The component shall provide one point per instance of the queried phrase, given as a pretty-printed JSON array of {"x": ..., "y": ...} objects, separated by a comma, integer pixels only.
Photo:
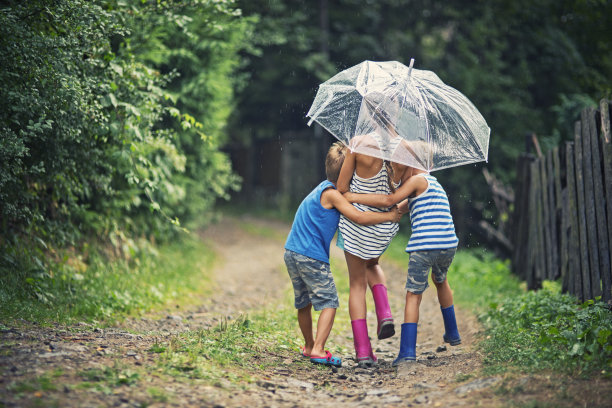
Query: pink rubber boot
[
  {"x": 363, "y": 348},
  {"x": 386, "y": 327}
]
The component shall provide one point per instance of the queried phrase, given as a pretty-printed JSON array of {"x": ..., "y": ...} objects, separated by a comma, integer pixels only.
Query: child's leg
[
  {"x": 358, "y": 285},
  {"x": 445, "y": 295},
  {"x": 304, "y": 316},
  {"x": 324, "y": 326},
  {"x": 376, "y": 281},
  {"x": 357, "y": 309},
  {"x": 411, "y": 310}
]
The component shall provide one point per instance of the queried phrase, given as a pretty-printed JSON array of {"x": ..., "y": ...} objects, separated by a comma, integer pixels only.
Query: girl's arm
[
  {"x": 346, "y": 173},
  {"x": 407, "y": 189},
  {"x": 360, "y": 217}
]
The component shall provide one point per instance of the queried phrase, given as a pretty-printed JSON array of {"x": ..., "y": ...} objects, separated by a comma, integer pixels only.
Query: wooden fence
[{"x": 562, "y": 219}]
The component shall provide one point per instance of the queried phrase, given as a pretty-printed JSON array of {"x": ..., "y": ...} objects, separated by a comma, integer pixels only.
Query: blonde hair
[{"x": 334, "y": 160}]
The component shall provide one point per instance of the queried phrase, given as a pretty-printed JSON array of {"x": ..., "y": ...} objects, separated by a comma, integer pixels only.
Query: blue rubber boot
[
  {"x": 407, "y": 344},
  {"x": 450, "y": 326}
]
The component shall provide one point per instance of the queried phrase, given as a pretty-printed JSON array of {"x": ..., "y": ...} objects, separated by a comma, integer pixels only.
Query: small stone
[
  {"x": 334, "y": 369},
  {"x": 174, "y": 317},
  {"x": 441, "y": 349},
  {"x": 431, "y": 356},
  {"x": 377, "y": 392}
]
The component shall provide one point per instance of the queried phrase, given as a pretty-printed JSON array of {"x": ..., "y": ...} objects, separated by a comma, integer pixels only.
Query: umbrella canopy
[{"x": 401, "y": 114}]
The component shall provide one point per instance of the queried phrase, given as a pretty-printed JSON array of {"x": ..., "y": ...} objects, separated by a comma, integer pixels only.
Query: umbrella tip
[{"x": 410, "y": 66}]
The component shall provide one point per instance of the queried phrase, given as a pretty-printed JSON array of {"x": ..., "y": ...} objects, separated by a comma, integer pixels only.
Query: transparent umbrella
[{"x": 401, "y": 114}]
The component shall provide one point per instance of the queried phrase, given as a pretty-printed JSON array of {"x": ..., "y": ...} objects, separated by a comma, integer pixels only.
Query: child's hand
[
  {"x": 402, "y": 207},
  {"x": 398, "y": 214}
]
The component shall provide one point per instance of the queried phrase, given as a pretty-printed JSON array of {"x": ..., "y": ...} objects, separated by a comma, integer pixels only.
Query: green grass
[
  {"x": 107, "y": 288},
  {"x": 477, "y": 278},
  {"x": 547, "y": 330},
  {"x": 526, "y": 331}
]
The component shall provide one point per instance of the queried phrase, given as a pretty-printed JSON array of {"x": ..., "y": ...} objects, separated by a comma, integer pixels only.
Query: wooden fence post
[
  {"x": 589, "y": 202},
  {"x": 572, "y": 216},
  {"x": 582, "y": 230},
  {"x": 520, "y": 217},
  {"x": 606, "y": 150},
  {"x": 602, "y": 277}
]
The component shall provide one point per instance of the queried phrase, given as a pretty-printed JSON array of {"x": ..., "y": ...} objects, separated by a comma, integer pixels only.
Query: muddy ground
[{"x": 443, "y": 376}]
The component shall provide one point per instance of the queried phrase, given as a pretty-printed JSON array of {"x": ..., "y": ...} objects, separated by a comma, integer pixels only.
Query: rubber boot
[
  {"x": 407, "y": 350},
  {"x": 386, "y": 327},
  {"x": 363, "y": 348},
  {"x": 451, "y": 334}
]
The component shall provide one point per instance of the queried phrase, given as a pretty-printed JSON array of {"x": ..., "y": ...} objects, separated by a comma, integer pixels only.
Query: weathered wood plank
[
  {"x": 600, "y": 211},
  {"x": 567, "y": 284},
  {"x": 545, "y": 219},
  {"x": 520, "y": 217},
  {"x": 540, "y": 254},
  {"x": 551, "y": 211},
  {"x": 572, "y": 219},
  {"x": 582, "y": 231},
  {"x": 556, "y": 164},
  {"x": 589, "y": 201},
  {"x": 532, "y": 239},
  {"x": 606, "y": 150}
]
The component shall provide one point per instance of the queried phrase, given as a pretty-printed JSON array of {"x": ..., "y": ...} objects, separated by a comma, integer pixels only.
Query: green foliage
[
  {"x": 91, "y": 286},
  {"x": 112, "y": 118},
  {"x": 548, "y": 330}
]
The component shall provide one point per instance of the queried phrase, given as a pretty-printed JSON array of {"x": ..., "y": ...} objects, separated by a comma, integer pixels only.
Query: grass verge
[
  {"x": 527, "y": 331},
  {"x": 106, "y": 288}
]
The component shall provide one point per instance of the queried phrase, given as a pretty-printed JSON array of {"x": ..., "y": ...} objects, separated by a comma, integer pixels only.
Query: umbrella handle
[{"x": 410, "y": 66}]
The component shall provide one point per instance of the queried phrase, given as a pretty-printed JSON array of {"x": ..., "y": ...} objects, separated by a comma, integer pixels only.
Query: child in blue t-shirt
[
  {"x": 432, "y": 245},
  {"x": 307, "y": 255}
]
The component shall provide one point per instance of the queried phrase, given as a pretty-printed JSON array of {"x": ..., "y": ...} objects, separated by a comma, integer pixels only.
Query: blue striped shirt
[{"x": 431, "y": 220}]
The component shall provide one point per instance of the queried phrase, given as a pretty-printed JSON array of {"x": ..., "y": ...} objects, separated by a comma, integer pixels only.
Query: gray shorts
[
  {"x": 420, "y": 262},
  {"x": 312, "y": 282}
]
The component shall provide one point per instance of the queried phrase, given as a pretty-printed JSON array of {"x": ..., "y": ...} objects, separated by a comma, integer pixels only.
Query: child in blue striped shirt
[{"x": 432, "y": 245}]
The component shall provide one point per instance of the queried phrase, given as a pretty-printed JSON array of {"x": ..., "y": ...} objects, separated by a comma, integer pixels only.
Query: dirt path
[{"x": 442, "y": 377}]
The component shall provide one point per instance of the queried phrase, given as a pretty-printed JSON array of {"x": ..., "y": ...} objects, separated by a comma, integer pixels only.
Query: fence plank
[
  {"x": 572, "y": 216},
  {"x": 560, "y": 231},
  {"x": 545, "y": 208},
  {"x": 582, "y": 231},
  {"x": 552, "y": 217},
  {"x": 540, "y": 254},
  {"x": 589, "y": 201},
  {"x": 602, "y": 245},
  {"x": 520, "y": 217},
  {"x": 606, "y": 148}
]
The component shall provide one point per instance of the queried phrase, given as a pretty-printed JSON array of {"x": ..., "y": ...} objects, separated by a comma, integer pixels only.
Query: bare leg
[
  {"x": 324, "y": 326},
  {"x": 411, "y": 311},
  {"x": 445, "y": 294},
  {"x": 374, "y": 273},
  {"x": 305, "y": 321},
  {"x": 358, "y": 285}
]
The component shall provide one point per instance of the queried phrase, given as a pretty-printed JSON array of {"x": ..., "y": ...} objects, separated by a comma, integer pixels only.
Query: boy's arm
[
  {"x": 360, "y": 217},
  {"x": 346, "y": 172},
  {"x": 387, "y": 200}
]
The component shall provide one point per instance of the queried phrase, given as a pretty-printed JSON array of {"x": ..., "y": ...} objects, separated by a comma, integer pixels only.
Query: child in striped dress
[
  {"x": 363, "y": 246},
  {"x": 432, "y": 244}
]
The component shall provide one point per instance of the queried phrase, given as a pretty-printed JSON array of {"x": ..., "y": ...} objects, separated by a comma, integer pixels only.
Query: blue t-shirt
[{"x": 314, "y": 226}]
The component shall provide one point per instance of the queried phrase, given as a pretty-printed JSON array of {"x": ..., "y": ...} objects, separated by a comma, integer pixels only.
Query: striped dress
[
  {"x": 431, "y": 220},
  {"x": 368, "y": 241}
]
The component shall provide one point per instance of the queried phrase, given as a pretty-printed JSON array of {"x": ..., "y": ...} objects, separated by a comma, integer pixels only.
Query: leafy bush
[{"x": 548, "y": 330}]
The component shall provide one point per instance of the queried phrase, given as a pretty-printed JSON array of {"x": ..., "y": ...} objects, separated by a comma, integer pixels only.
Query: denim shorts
[
  {"x": 312, "y": 282},
  {"x": 420, "y": 262}
]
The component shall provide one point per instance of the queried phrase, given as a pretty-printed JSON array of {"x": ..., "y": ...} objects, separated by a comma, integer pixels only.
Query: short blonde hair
[{"x": 334, "y": 160}]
